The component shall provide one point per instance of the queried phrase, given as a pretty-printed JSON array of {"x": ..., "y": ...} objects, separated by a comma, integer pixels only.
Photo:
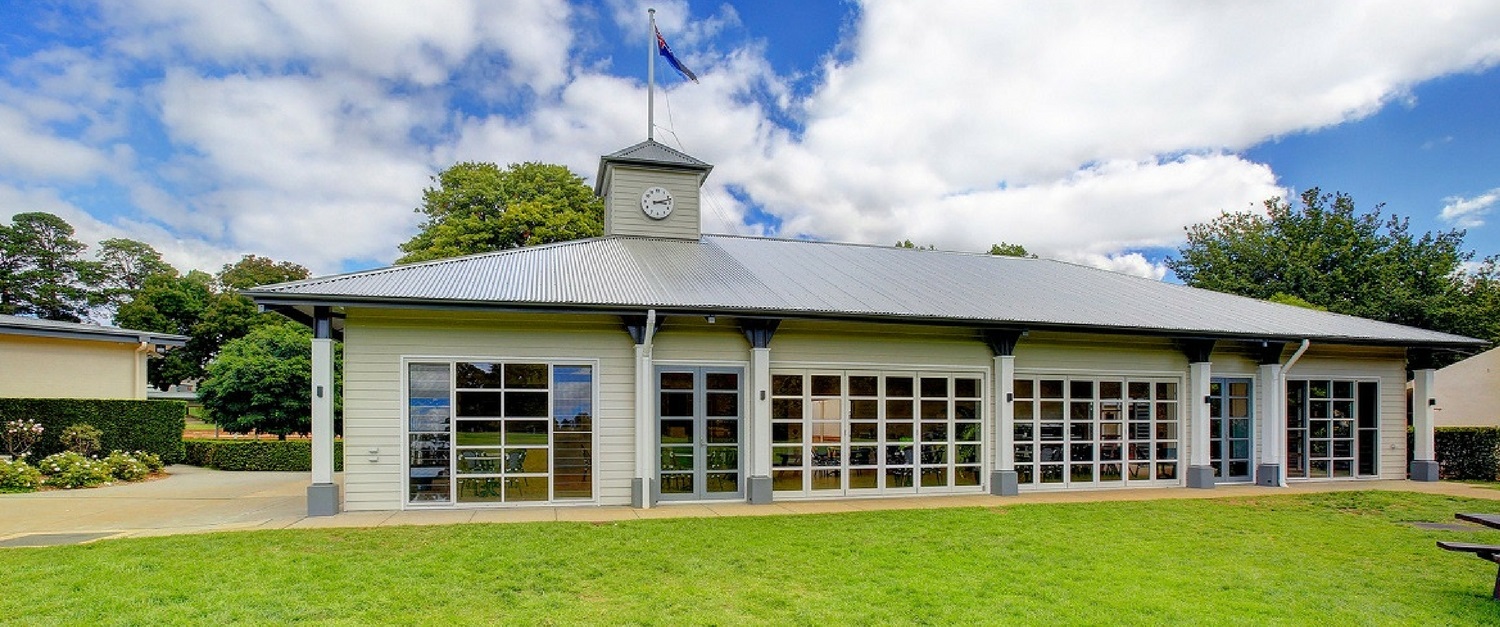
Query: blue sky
[{"x": 306, "y": 130}]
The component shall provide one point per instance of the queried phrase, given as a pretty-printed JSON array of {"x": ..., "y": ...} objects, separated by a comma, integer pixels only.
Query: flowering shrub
[
  {"x": 18, "y": 476},
  {"x": 82, "y": 439},
  {"x": 126, "y": 467},
  {"x": 20, "y": 436},
  {"x": 71, "y": 470},
  {"x": 151, "y": 460}
]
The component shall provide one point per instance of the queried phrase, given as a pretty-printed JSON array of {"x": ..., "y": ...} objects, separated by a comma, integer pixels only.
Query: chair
[{"x": 515, "y": 463}]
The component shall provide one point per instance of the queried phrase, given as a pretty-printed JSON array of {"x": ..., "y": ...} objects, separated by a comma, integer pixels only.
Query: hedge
[
  {"x": 273, "y": 455},
  {"x": 1468, "y": 452},
  {"x": 127, "y": 425}
]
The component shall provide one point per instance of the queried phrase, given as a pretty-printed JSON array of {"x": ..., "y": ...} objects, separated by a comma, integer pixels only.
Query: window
[
  {"x": 1090, "y": 431},
  {"x": 499, "y": 432},
  {"x": 857, "y": 432},
  {"x": 1333, "y": 428}
]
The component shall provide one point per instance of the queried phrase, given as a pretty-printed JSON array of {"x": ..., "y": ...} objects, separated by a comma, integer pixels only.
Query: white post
[
  {"x": 759, "y": 485},
  {"x": 1003, "y": 480},
  {"x": 322, "y": 495},
  {"x": 641, "y": 490},
  {"x": 1200, "y": 470},
  {"x": 1270, "y": 411},
  {"x": 651, "y": 76},
  {"x": 1424, "y": 466}
]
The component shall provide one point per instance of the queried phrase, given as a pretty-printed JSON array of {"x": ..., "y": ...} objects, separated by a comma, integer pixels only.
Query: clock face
[{"x": 657, "y": 203}]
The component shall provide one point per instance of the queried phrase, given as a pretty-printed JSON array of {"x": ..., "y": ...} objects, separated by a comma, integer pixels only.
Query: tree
[
  {"x": 906, "y": 243},
  {"x": 252, "y": 271},
  {"x": 1330, "y": 255},
  {"x": 209, "y": 310},
  {"x": 478, "y": 207},
  {"x": 122, "y": 268},
  {"x": 1005, "y": 249},
  {"x": 262, "y": 382},
  {"x": 41, "y": 273}
]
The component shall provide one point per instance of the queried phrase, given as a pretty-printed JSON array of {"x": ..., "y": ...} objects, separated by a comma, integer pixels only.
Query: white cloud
[
  {"x": 1469, "y": 213},
  {"x": 305, "y": 129}
]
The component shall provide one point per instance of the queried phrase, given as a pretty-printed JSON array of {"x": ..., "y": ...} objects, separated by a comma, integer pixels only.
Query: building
[
  {"x": 51, "y": 359},
  {"x": 1467, "y": 393},
  {"x": 660, "y": 364}
]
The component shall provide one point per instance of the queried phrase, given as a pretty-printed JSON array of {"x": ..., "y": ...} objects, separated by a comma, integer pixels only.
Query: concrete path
[{"x": 196, "y": 500}]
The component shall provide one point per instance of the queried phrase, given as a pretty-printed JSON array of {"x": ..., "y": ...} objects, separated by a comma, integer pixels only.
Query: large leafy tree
[
  {"x": 253, "y": 271},
  {"x": 41, "y": 273},
  {"x": 479, "y": 207},
  {"x": 1326, "y": 253},
  {"x": 122, "y": 268},
  {"x": 208, "y": 309},
  {"x": 1006, "y": 249},
  {"x": 262, "y": 382}
]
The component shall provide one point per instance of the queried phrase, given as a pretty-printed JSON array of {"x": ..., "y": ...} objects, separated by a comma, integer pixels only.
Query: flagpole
[{"x": 651, "y": 77}]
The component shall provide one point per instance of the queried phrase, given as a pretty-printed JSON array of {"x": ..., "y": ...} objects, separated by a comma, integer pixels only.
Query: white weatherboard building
[{"x": 658, "y": 364}]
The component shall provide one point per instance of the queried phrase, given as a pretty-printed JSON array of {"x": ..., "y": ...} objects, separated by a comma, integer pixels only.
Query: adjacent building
[
  {"x": 659, "y": 364},
  {"x": 51, "y": 359}
]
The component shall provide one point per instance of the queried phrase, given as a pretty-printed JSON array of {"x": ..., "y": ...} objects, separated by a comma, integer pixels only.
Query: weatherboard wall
[
  {"x": 377, "y": 342},
  {"x": 623, "y": 215}
]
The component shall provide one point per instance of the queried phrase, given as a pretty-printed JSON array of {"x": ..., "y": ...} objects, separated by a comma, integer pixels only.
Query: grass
[{"x": 1337, "y": 558}]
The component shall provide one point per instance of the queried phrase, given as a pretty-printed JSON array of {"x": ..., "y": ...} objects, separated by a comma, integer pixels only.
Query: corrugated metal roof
[
  {"x": 771, "y": 277},
  {"x": 650, "y": 151},
  {"x": 19, "y": 325}
]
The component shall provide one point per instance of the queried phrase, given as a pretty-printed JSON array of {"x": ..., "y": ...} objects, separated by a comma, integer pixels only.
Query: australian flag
[{"x": 666, "y": 51}]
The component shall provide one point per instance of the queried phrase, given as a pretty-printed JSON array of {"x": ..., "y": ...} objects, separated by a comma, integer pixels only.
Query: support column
[
  {"x": 642, "y": 487},
  {"x": 1270, "y": 410},
  {"x": 759, "y": 333},
  {"x": 1424, "y": 466},
  {"x": 323, "y": 494},
  {"x": 1002, "y": 343},
  {"x": 1200, "y": 472}
]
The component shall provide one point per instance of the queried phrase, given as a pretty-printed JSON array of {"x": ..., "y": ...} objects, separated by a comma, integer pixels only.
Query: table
[{"x": 1486, "y": 552}]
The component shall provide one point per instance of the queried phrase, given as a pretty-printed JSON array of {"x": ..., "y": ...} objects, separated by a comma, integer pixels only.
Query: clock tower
[{"x": 651, "y": 190}]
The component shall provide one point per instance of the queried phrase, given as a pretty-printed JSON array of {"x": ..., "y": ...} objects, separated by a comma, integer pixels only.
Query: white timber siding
[
  {"x": 375, "y": 341},
  {"x": 622, "y": 211}
]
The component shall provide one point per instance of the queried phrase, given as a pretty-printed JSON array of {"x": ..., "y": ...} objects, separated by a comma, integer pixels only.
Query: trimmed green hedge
[
  {"x": 273, "y": 455},
  {"x": 1468, "y": 452},
  {"x": 127, "y": 425}
]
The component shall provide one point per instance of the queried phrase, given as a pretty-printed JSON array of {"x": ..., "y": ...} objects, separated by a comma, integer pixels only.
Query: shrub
[
  {"x": 71, "y": 470},
  {"x": 20, "y": 436},
  {"x": 18, "y": 476},
  {"x": 126, "y": 467},
  {"x": 82, "y": 439},
  {"x": 265, "y": 455},
  {"x": 126, "y": 425},
  {"x": 1468, "y": 452},
  {"x": 151, "y": 460}
]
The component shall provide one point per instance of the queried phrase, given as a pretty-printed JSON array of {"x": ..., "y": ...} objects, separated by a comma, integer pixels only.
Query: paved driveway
[{"x": 189, "y": 499}]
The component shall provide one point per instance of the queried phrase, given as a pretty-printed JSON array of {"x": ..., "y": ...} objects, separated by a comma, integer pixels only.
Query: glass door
[
  {"x": 1229, "y": 429},
  {"x": 699, "y": 412}
]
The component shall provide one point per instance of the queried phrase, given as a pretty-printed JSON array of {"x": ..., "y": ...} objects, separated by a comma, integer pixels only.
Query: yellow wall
[
  {"x": 43, "y": 367},
  {"x": 1468, "y": 392}
]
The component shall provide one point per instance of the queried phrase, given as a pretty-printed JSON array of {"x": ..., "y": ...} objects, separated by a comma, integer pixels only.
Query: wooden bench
[{"x": 1486, "y": 552}]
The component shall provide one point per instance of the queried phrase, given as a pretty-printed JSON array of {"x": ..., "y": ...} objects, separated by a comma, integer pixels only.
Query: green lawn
[{"x": 1327, "y": 559}]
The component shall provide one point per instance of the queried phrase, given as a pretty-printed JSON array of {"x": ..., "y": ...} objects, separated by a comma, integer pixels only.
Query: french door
[
  {"x": 699, "y": 430},
  {"x": 1333, "y": 429},
  {"x": 851, "y": 433},
  {"x": 1230, "y": 429}
]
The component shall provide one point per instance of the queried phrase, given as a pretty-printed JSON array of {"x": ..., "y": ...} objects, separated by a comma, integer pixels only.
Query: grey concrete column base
[
  {"x": 1424, "y": 470},
  {"x": 1201, "y": 477},
  {"x": 322, "y": 499},
  {"x": 638, "y": 493},
  {"x": 1004, "y": 483},
  {"x": 759, "y": 490},
  {"x": 1268, "y": 475}
]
